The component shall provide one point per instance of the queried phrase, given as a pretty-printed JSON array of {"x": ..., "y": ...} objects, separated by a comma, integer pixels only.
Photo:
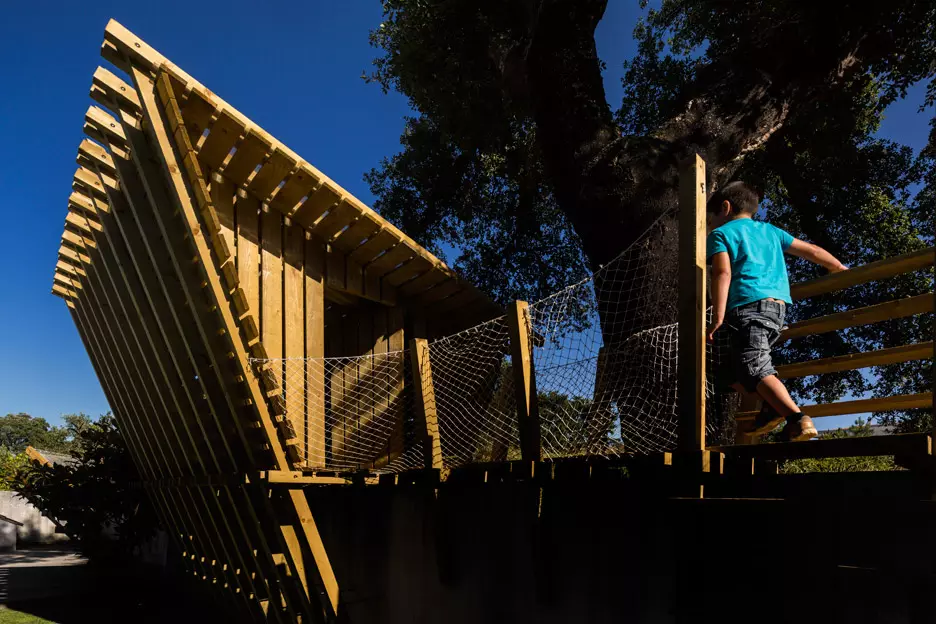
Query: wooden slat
[
  {"x": 250, "y": 153},
  {"x": 116, "y": 89},
  {"x": 337, "y": 218},
  {"x": 197, "y": 281},
  {"x": 396, "y": 342},
  {"x": 860, "y": 406},
  {"x": 314, "y": 351},
  {"x": 852, "y": 361},
  {"x": 271, "y": 288},
  {"x": 224, "y": 134},
  {"x": 323, "y": 198},
  {"x": 389, "y": 261},
  {"x": 881, "y": 269},
  {"x": 357, "y": 232},
  {"x": 294, "y": 332},
  {"x": 271, "y": 174},
  {"x": 425, "y": 403},
  {"x": 519, "y": 325},
  {"x": 247, "y": 208},
  {"x": 299, "y": 184},
  {"x": 692, "y": 347},
  {"x": 913, "y": 444},
  {"x": 899, "y": 308},
  {"x": 120, "y": 40}
]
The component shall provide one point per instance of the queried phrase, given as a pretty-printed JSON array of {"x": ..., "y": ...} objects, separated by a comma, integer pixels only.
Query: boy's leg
[
  {"x": 799, "y": 426},
  {"x": 774, "y": 392},
  {"x": 767, "y": 419}
]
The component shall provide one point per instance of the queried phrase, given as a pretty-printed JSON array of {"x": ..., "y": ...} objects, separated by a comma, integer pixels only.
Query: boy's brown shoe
[
  {"x": 798, "y": 429},
  {"x": 766, "y": 420}
]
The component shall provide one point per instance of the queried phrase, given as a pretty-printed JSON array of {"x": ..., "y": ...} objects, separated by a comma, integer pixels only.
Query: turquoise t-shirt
[{"x": 755, "y": 251}]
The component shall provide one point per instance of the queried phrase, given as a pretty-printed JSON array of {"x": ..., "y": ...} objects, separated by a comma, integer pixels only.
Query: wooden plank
[
  {"x": 852, "y": 361},
  {"x": 271, "y": 175},
  {"x": 271, "y": 288},
  {"x": 118, "y": 38},
  {"x": 882, "y": 269},
  {"x": 389, "y": 261},
  {"x": 224, "y": 134},
  {"x": 898, "y": 308},
  {"x": 379, "y": 398},
  {"x": 294, "y": 332},
  {"x": 248, "y": 249},
  {"x": 692, "y": 348},
  {"x": 357, "y": 232},
  {"x": 314, "y": 352},
  {"x": 376, "y": 244},
  {"x": 396, "y": 342},
  {"x": 912, "y": 444},
  {"x": 417, "y": 266},
  {"x": 519, "y": 327},
  {"x": 116, "y": 89},
  {"x": 298, "y": 186},
  {"x": 222, "y": 198},
  {"x": 249, "y": 155},
  {"x": 194, "y": 282},
  {"x": 337, "y": 218},
  {"x": 197, "y": 112},
  {"x": 323, "y": 198},
  {"x": 859, "y": 406},
  {"x": 424, "y": 393}
]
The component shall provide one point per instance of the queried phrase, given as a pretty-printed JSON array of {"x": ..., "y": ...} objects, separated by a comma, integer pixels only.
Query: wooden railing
[{"x": 692, "y": 345}]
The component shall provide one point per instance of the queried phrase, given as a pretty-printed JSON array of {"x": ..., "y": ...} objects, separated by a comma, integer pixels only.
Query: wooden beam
[
  {"x": 425, "y": 402},
  {"x": 879, "y": 270},
  {"x": 898, "y": 308},
  {"x": 905, "y": 444},
  {"x": 519, "y": 327},
  {"x": 860, "y": 406},
  {"x": 852, "y": 361},
  {"x": 692, "y": 347}
]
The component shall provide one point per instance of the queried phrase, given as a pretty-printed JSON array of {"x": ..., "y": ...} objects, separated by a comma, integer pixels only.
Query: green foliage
[
  {"x": 17, "y": 431},
  {"x": 96, "y": 497},
  {"x": 471, "y": 175},
  {"x": 10, "y": 464},
  {"x": 841, "y": 464}
]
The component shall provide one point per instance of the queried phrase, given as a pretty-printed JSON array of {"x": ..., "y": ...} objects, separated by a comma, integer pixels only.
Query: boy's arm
[
  {"x": 816, "y": 254},
  {"x": 721, "y": 280}
]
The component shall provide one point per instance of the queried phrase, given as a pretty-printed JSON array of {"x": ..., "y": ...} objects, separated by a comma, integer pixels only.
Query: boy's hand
[{"x": 712, "y": 329}]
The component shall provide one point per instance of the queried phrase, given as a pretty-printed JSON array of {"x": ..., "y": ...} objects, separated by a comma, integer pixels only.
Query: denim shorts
[{"x": 753, "y": 329}]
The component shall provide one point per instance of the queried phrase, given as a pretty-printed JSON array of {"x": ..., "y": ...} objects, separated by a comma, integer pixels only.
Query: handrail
[
  {"x": 882, "y": 269},
  {"x": 860, "y": 406},
  {"x": 852, "y": 361},
  {"x": 897, "y": 308}
]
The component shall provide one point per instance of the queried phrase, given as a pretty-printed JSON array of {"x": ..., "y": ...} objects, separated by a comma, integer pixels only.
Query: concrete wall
[{"x": 36, "y": 529}]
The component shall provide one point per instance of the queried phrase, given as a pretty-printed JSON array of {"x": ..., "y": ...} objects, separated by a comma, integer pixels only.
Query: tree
[
  {"x": 516, "y": 159},
  {"x": 95, "y": 498},
  {"x": 17, "y": 431}
]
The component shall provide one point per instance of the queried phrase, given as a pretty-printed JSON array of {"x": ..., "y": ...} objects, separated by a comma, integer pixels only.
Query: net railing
[{"x": 605, "y": 356}]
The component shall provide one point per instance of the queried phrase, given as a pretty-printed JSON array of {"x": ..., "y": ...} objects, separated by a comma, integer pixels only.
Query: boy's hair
[{"x": 743, "y": 198}]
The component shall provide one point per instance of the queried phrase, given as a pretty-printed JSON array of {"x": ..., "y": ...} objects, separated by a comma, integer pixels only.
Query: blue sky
[{"x": 293, "y": 68}]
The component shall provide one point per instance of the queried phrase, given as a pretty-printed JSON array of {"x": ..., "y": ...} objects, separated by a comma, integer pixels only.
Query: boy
[{"x": 750, "y": 283}]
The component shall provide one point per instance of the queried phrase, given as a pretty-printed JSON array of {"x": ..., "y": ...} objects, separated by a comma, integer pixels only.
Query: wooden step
[
  {"x": 859, "y": 406},
  {"x": 902, "y": 444}
]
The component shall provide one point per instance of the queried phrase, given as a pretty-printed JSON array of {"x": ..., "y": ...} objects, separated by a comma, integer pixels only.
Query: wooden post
[
  {"x": 425, "y": 401},
  {"x": 519, "y": 325},
  {"x": 692, "y": 346}
]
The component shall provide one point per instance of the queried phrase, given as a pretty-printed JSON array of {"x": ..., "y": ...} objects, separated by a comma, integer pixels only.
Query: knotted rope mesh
[{"x": 605, "y": 355}]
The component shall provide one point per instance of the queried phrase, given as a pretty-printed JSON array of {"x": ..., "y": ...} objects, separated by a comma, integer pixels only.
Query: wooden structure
[
  {"x": 692, "y": 346},
  {"x": 198, "y": 251}
]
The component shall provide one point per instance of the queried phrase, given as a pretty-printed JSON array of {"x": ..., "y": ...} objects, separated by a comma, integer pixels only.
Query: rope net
[{"x": 605, "y": 361}]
